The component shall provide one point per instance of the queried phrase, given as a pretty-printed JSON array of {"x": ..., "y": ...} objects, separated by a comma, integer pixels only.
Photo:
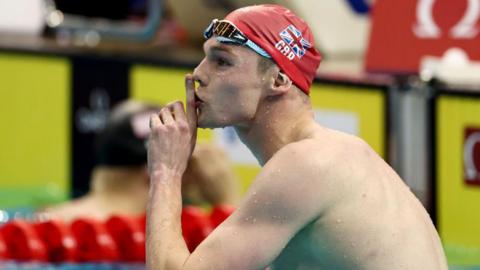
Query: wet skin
[{"x": 323, "y": 200}]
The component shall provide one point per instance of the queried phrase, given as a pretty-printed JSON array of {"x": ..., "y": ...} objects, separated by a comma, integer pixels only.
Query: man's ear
[{"x": 281, "y": 84}]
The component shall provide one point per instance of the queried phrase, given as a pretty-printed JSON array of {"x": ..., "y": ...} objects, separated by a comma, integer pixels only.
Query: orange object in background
[
  {"x": 58, "y": 239},
  {"x": 195, "y": 226},
  {"x": 22, "y": 242},
  {"x": 220, "y": 213},
  {"x": 129, "y": 235},
  {"x": 94, "y": 244}
]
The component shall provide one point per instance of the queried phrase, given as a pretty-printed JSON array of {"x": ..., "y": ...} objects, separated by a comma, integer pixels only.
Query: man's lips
[{"x": 198, "y": 101}]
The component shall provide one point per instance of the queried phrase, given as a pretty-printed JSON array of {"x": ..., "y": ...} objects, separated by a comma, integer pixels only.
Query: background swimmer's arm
[
  {"x": 283, "y": 199},
  {"x": 210, "y": 177}
]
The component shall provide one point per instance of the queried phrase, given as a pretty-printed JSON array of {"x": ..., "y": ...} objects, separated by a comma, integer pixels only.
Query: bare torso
[
  {"x": 372, "y": 220},
  {"x": 325, "y": 200}
]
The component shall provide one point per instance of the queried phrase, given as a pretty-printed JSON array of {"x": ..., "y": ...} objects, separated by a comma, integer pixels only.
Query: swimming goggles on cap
[{"x": 227, "y": 32}]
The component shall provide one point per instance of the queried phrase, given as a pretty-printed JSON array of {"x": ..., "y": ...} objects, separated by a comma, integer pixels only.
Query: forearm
[{"x": 166, "y": 248}]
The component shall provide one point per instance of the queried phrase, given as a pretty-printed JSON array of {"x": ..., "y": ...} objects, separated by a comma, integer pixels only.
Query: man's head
[
  {"x": 122, "y": 143},
  {"x": 255, "y": 52}
]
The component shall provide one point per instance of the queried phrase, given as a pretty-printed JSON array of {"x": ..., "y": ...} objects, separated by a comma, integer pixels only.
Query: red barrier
[
  {"x": 195, "y": 226},
  {"x": 220, "y": 213},
  {"x": 22, "y": 241},
  {"x": 129, "y": 235},
  {"x": 94, "y": 244},
  {"x": 58, "y": 239}
]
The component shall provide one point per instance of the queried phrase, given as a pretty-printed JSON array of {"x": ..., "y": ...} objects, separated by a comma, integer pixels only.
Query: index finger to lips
[{"x": 191, "y": 111}]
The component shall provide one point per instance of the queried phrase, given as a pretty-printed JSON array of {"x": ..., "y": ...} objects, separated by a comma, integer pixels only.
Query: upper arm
[{"x": 281, "y": 201}]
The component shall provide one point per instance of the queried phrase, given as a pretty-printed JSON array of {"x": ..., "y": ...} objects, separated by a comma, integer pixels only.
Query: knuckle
[
  {"x": 164, "y": 110},
  {"x": 172, "y": 104},
  {"x": 156, "y": 130},
  {"x": 170, "y": 126},
  {"x": 179, "y": 103},
  {"x": 183, "y": 126}
]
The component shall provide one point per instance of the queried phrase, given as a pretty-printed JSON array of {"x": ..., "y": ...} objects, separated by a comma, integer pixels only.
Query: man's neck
[
  {"x": 128, "y": 182},
  {"x": 277, "y": 124}
]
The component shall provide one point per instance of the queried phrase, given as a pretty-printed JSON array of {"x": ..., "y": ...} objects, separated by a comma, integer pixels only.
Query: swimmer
[
  {"x": 323, "y": 200},
  {"x": 120, "y": 180}
]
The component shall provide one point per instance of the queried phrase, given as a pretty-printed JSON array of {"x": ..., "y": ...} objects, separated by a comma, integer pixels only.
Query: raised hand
[{"x": 173, "y": 135}]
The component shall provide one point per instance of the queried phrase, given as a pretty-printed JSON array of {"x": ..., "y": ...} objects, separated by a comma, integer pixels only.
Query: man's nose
[{"x": 199, "y": 75}]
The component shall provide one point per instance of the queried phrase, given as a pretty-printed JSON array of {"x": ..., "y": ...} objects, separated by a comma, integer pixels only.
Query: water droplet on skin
[
  {"x": 254, "y": 193},
  {"x": 339, "y": 221},
  {"x": 344, "y": 256},
  {"x": 255, "y": 201},
  {"x": 254, "y": 220}
]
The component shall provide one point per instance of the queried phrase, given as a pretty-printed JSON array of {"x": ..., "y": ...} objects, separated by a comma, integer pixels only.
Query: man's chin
[{"x": 208, "y": 124}]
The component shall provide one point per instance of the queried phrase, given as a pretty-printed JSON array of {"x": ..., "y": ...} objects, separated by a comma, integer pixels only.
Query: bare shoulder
[
  {"x": 305, "y": 172},
  {"x": 318, "y": 154},
  {"x": 71, "y": 210}
]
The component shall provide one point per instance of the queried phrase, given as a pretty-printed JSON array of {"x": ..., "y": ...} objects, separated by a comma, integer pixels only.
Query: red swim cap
[{"x": 284, "y": 36}]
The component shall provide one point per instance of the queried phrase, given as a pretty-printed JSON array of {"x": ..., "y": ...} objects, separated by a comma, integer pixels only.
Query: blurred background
[{"x": 404, "y": 75}]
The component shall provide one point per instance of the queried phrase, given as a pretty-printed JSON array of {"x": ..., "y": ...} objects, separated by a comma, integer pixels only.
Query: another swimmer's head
[
  {"x": 275, "y": 33},
  {"x": 122, "y": 144}
]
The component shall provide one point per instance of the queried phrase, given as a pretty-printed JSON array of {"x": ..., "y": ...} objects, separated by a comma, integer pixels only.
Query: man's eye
[{"x": 222, "y": 62}]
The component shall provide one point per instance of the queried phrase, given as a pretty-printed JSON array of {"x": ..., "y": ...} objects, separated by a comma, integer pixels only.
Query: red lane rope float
[
  {"x": 94, "y": 243},
  {"x": 220, "y": 213},
  {"x": 129, "y": 234},
  {"x": 195, "y": 226},
  {"x": 3, "y": 249},
  {"x": 22, "y": 241},
  {"x": 57, "y": 237}
]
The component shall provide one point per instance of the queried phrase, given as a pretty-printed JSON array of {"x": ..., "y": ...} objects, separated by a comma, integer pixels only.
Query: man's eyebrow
[{"x": 220, "y": 48}]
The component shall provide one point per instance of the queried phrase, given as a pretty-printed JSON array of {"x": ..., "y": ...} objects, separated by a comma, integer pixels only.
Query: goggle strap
[{"x": 235, "y": 36}]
